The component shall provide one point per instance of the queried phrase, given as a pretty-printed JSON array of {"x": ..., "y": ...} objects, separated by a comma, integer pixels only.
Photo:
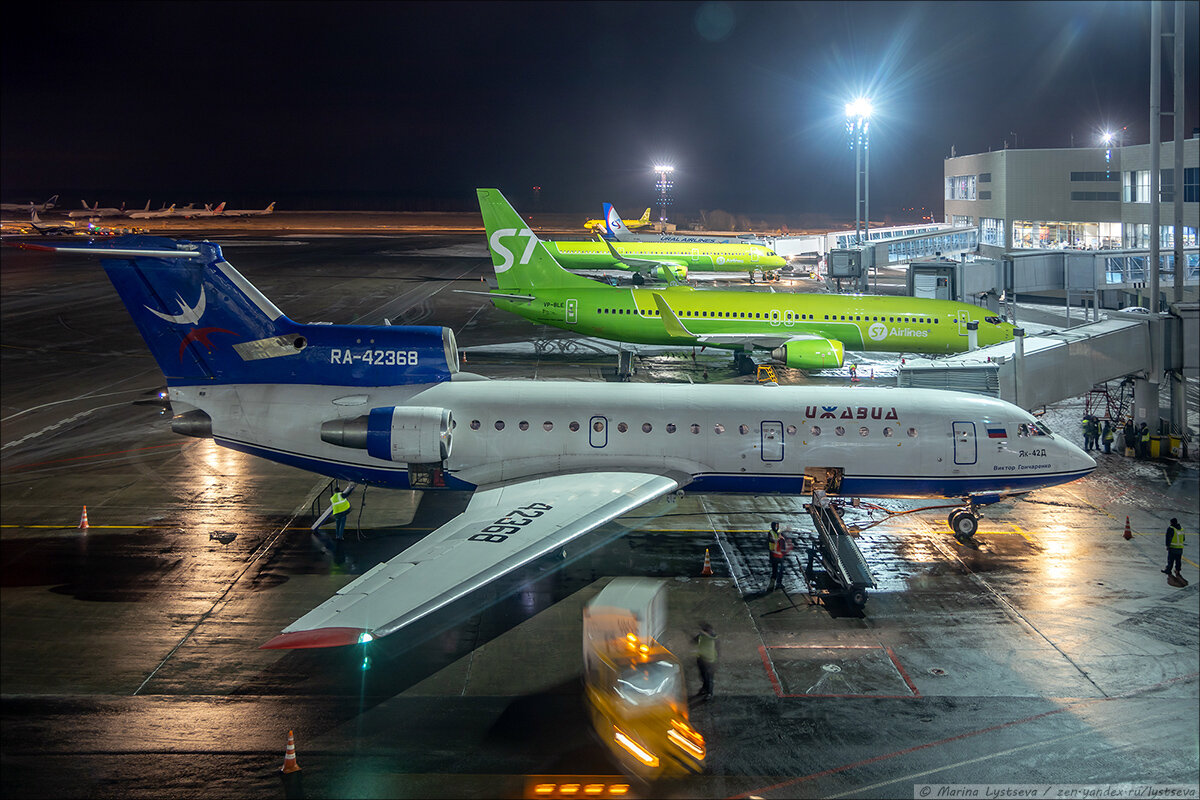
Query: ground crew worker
[
  {"x": 779, "y": 544},
  {"x": 1087, "y": 433},
  {"x": 1109, "y": 435},
  {"x": 1144, "y": 441},
  {"x": 1175, "y": 539},
  {"x": 341, "y": 509},
  {"x": 706, "y": 659}
]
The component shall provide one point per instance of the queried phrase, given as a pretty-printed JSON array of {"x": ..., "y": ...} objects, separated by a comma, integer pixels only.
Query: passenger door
[
  {"x": 772, "y": 441},
  {"x": 965, "y": 448}
]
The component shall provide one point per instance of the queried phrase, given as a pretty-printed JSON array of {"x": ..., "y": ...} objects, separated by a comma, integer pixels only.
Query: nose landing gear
[{"x": 964, "y": 522}]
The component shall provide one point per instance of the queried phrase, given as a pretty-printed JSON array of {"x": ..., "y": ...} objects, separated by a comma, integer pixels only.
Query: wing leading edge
[{"x": 502, "y": 528}]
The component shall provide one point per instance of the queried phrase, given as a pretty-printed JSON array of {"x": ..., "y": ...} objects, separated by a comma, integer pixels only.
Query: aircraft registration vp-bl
[
  {"x": 805, "y": 330},
  {"x": 547, "y": 461}
]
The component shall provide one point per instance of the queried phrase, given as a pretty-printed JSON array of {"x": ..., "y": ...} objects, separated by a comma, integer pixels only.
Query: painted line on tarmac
[
  {"x": 916, "y": 748},
  {"x": 95, "y": 455}
]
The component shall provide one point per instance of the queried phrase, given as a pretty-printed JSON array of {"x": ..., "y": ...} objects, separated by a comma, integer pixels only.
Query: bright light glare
[
  {"x": 639, "y": 752},
  {"x": 1107, "y": 137},
  {"x": 859, "y": 108},
  {"x": 663, "y": 168},
  {"x": 365, "y": 637}
]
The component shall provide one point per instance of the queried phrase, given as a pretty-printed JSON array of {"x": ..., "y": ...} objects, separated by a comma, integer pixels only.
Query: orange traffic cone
[
  {"x": 83, "y": 520},
  {"x": 1128, "y": 533},
  {"x": 289, "y": 758},
  {"x": 707, "y": 571}
]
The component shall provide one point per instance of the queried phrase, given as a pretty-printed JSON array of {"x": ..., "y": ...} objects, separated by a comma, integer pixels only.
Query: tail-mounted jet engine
[
  {"x": 810, "y": 354},
  {"x": 413, "y": 435}
]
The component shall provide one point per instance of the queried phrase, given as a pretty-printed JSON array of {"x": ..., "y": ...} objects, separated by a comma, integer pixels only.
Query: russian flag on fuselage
[{"x": 997, "y": 433}]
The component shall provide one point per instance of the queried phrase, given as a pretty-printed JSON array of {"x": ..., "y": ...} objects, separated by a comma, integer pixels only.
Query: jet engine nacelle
[
  {"x": 664, "y": 272},
  {"x": 413, "y": 435},
  {"x": 810, "y": 354}
]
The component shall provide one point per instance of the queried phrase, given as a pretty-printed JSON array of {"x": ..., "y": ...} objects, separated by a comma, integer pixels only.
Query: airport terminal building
[{"x": 1091, "y": 198}]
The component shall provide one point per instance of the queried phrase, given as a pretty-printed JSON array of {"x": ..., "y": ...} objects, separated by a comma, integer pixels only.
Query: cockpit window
[
  {"x": 1033, "y": 429},
  {"x": 993, "y": 320}
]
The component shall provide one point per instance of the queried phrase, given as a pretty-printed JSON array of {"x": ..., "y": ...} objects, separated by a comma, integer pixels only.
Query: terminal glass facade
[
  {"x": 991, "y": 231},
  {"x": 1060, "y": 235},
  {"x": 1137, "y": 236},
  {"x": 957, "y": 242},
  {"x": 960, "y": 187}
]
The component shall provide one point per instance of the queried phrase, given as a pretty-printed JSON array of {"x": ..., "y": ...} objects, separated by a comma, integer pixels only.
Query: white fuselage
[{"x": 759, "y": 440}]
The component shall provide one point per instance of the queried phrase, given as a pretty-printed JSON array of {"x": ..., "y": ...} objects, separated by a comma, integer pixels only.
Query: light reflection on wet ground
[{"x": 130, "y": 663}]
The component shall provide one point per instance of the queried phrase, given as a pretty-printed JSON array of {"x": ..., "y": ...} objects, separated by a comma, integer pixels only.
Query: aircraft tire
[
  {"x": 964, "y": 524},
  {"x": 859, "y": 598},
  {"x": 637, "y": 279}
]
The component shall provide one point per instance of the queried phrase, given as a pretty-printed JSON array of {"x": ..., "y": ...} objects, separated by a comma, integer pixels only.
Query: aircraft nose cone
[{"x": 1080, "y": 461}]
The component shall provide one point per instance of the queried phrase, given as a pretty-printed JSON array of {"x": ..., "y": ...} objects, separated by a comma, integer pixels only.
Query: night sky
[{"x": 412, "y": 106}]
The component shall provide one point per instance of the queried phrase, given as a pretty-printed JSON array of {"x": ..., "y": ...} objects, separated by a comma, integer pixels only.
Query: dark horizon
[{"x": 409, "y": 106}]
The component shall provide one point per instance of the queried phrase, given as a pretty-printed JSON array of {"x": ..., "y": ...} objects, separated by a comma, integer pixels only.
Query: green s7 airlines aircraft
[
  {"x": 666, "y": 261},
  {"x": 807, "y": 331}
]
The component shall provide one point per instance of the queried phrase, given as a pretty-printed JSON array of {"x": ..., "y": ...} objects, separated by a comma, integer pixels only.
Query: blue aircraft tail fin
[{"x": 205, "y": 323}]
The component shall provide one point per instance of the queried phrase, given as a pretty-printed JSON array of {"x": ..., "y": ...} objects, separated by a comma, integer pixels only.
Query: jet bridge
[{"x": 835, "y": 566}]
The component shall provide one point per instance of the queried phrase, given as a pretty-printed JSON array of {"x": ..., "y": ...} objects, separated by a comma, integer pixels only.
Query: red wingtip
[
  {"x": 31, "y": 246},
  {"x": 319, "y": 637}
]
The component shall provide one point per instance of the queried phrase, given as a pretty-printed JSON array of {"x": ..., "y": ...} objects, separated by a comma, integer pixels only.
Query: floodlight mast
[
  {"x": 664, "y": 186},
  {"x": 858, "y": 113}
]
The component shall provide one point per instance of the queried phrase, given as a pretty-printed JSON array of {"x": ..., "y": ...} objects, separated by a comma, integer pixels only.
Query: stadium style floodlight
[
  {"x": 858, "y": 115},
  {"x": 664, "y": 186}
]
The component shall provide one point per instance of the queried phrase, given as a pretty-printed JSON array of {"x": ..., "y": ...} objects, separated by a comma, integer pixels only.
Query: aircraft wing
[{"x": 502, "y": 528}]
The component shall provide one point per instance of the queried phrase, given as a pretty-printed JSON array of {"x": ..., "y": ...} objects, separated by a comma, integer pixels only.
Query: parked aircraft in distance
[
  {"x": 663, "y": 261},
  {"x": 547, "y": 462},
  {"x": 207, "y": 211},
  {"x": 807, "y": 331},
  {"x": 250, "y": 212},
  {"x": 601, "y": 225},
  {"x": 95, "y": 211},
  {"x": 616, "y": 230},
  {"x": 30, "y": 206},
  {"x": 52, "y": 228},
  {"x": 146, "y": 213}
]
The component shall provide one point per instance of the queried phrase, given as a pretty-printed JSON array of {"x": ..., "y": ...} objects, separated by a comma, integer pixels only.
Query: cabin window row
[
  {"x": 788, "y": 316},
  {"x": 624, "y": 427}
]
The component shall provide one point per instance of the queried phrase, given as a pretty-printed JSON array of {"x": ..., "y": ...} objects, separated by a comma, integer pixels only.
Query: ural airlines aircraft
[
  {"x": 601, "y": 225},
  {"x": 547, "y": 463},
  {"x": 615, "y": 229},
  {"x": 807, "y": 331}
]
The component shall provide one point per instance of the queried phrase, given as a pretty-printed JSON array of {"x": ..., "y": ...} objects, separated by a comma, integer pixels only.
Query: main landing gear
[{"x": 964, "y": 522}]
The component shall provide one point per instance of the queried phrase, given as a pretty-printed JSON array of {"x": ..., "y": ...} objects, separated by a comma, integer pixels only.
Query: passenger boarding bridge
[{"x": 1159, "y": 350}]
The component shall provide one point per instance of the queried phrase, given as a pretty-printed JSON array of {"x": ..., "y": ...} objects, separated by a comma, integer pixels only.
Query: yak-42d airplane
[
  {"x": 806, "y": 331},
  {"x": 546, "y": 462},
  {"x": 601, "y": 225}
]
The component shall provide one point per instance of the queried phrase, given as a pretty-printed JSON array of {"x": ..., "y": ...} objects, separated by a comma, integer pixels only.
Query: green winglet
[{"x": 670, "y": 319}]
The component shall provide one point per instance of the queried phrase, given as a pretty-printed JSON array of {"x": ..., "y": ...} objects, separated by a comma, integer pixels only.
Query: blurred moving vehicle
[{"x": 634, "y": 687}]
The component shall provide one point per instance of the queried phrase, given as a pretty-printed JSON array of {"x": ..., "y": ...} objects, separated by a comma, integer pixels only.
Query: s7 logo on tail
[
  {"x": 506, "y": 254},
  {"x": 187, "y": 314}
]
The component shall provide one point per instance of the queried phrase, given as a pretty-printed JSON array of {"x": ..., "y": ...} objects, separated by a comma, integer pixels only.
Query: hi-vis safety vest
[
  {"x": 340, "y": 504},
  {"x": 1177, "y": 538},
  {"x": 1110, "y": 435},
  {"x": 707, "y": 647},
  {"x": 1146, "y": 435},
  {"x": 781, "y": 546}
]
